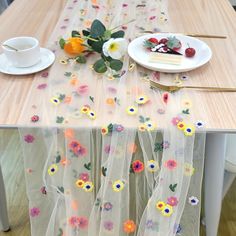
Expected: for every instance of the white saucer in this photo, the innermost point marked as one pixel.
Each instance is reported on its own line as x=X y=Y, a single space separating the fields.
x=47 y=58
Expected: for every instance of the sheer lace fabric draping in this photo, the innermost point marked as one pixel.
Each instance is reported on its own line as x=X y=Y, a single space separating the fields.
x=132 y=180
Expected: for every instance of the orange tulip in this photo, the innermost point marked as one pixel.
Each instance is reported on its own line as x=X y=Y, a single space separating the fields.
x=74 y=46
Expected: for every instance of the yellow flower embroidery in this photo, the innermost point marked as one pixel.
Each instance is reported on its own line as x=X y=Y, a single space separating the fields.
x=181 y=125
x=160 y=205
x=52 y=169
x=55 y=100
x=79 y=183
x=118 y=186
x=132 y=110
x=142 y=99
x=167 y=210
x=92 y=115
x=88 y=186
x=189 y=130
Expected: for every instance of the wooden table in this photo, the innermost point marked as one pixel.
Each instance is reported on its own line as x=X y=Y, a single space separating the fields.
x=38 y=19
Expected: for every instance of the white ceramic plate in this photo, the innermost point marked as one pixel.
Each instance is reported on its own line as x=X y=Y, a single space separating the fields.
x=140 y=54
x=47 y=58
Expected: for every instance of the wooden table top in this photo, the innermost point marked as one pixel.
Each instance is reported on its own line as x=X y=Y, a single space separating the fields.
x=38 y=18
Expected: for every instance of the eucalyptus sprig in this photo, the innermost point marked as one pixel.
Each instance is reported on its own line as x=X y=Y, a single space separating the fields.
x=110 y=44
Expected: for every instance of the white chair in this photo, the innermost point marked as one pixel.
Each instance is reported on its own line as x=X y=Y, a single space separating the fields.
x=230 y=163
x=220 y=172
x=4 y=223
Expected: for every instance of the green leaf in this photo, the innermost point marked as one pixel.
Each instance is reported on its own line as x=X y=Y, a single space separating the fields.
x=118 y=34
x=173 y=42
x=100 y=66
x=96 y=46
x=85 y=32
x=107 y=35
x=60 y=232
x=81 y=59
x=75 y=34
x=116 y=65
x=62 y=43
x=97 y=29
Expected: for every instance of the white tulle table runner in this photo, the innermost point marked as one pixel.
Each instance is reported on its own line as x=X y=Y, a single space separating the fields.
x=115 y=172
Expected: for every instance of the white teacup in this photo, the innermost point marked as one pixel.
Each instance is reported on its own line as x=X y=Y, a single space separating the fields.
x=27 y=53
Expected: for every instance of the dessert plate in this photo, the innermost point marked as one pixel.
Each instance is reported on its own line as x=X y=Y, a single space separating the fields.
x=140 y=54
x=47 y=58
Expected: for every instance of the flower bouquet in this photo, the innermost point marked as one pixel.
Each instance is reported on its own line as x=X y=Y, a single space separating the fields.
x=108 y=43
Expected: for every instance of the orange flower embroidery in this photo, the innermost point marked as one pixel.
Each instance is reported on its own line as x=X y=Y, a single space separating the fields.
x=110 y=101
x=129 y=226
x=69 y=133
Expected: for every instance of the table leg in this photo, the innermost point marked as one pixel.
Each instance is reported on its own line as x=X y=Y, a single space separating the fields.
x=214 y=176
x=4 y=223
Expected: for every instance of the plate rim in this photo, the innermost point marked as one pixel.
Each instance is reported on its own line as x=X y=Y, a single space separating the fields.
x=37 y=69
x=175 y=70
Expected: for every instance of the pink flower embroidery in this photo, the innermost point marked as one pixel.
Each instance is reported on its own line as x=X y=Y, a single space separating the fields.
x=176 y=120
x=108 y=225
x=172 y=201
x=29 y=138
x=83 y=222
x=45 y=74
x=84 y=177
x=112 y=90
x=171 y=164
x=108 y=149
x=73 y=221
x=42 y=86
x=83 y=89
x=34 y=211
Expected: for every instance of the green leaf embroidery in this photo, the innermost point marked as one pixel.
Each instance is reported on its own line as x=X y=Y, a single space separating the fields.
x=61 y=189
x=158 y=147
x=104 y=171
x=186 y=112
x=173 y=187
x=75 y=173
x=110 y=127
x=91 y=98
x=88 y=166
x=59 y=119
x=58 y=158
x=141 y=119
x=61 y=97
x=60 y=232
x=68 y=74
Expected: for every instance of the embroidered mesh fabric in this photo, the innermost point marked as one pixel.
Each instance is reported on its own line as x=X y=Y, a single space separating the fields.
x=115 y=197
